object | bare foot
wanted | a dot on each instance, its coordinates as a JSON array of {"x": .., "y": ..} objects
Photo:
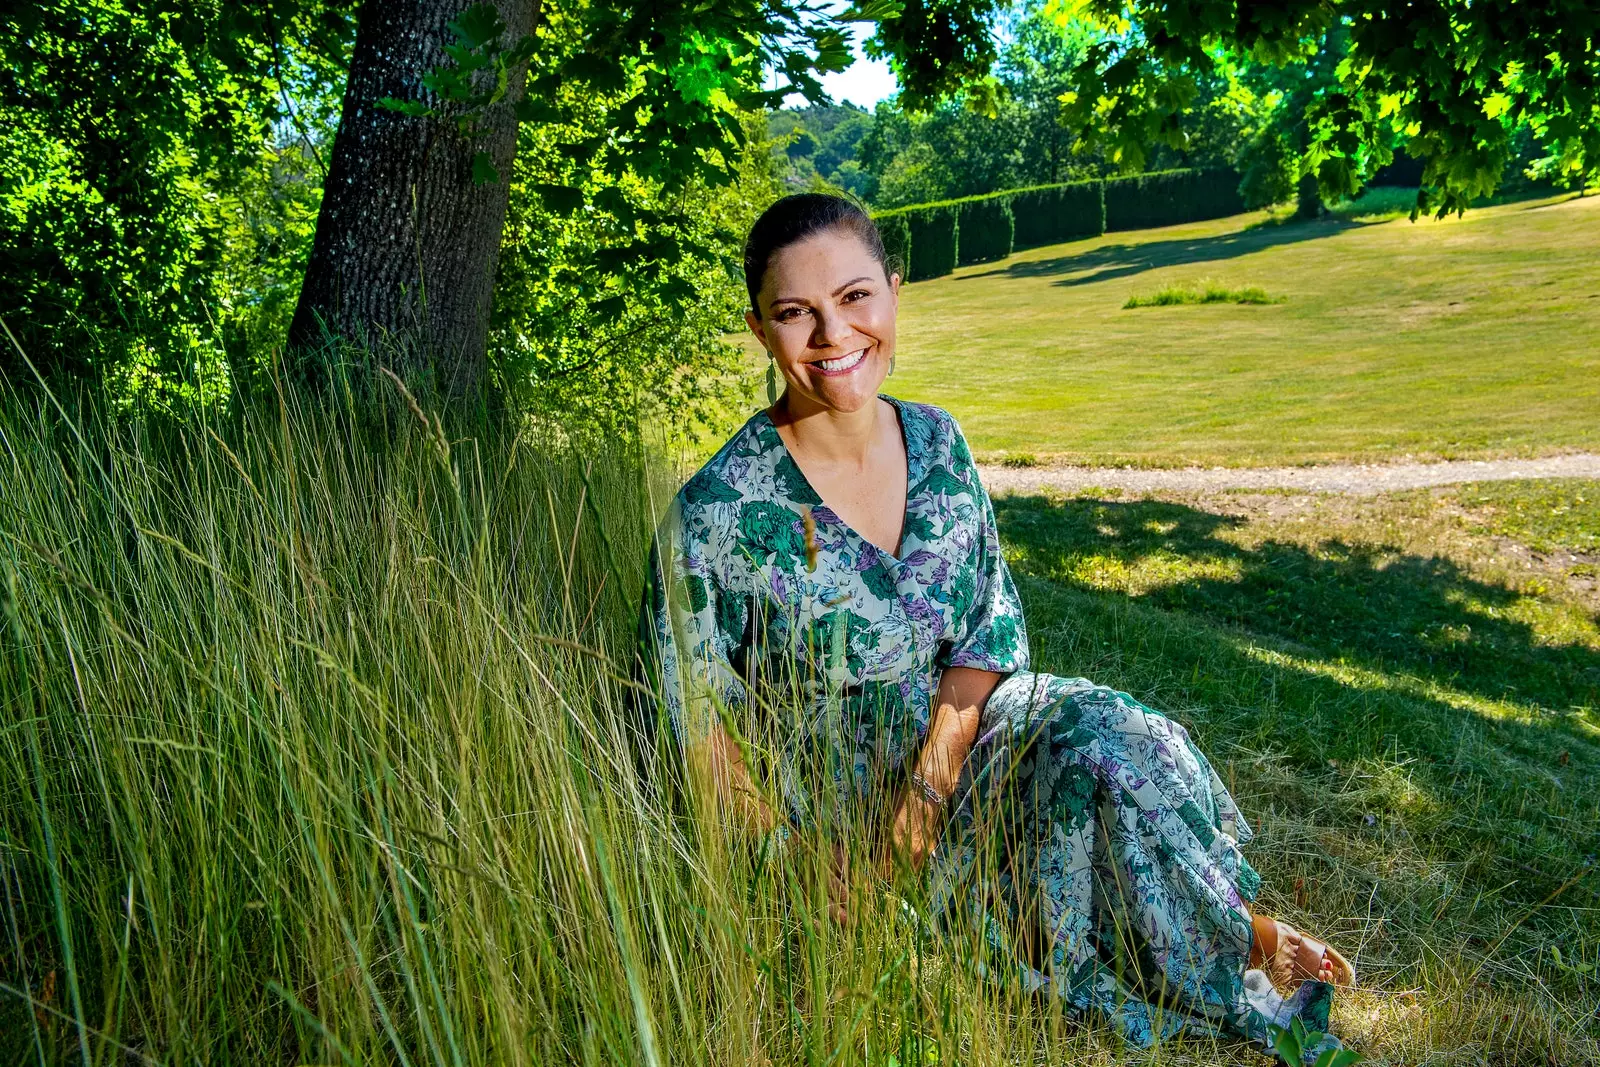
[{"x": 1289, "y": 956}]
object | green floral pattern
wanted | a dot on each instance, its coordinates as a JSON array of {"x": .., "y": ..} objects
[{"x": 1122, "y": 841}]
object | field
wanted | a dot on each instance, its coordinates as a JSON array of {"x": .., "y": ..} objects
[
  {"x": 1465, "y": 337},
  {"x": 314, "y": 732}
]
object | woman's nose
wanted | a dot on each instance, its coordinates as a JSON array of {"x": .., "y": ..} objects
[{"x": 832, "y": 329}]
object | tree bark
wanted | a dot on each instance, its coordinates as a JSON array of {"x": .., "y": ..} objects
[
  {"x": 406, "y": 247},
  {"x": 1308, "y": 198}
]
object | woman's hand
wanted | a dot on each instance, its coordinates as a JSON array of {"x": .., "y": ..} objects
[{"x": 912, "y": 832}]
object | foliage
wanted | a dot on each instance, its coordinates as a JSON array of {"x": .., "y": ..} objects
[
  {"x": 896, "y": 234},
  {"x": 1048, "y": 214},
  {"x": 834, "y": 132},
  {"x": 934, "y": 238},
  {"x": 601, "y": 340},
  {"x": 1455, "y": 80},
  {"x": 1162, "y": 198},
  {"x": 145, "y": 182},
  {"x": 986, "y": 227},
  {"x": 1058, "y": 212}
]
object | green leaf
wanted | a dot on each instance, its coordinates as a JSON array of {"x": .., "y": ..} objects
[
  {"x": 1286, "y": 1043},
  {"x": 538, "y": 111},
  {"x": 483, "y": 170},
  {"x": 609, "y": 308},
  {"x": 599, "y": 71},
  {"x": 477, "y": 25},
  {"x": 871, "y": 11},
  {"x": 414, "y": 108},
  {"x": 1339, "y": 1057},
  {"x": 562, "y": 199}
]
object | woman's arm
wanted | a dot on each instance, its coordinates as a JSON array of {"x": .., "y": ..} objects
[
  {"x": 958, "y": 705},
  {"x": 735, "y": 788}
]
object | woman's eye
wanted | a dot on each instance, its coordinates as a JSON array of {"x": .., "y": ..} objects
[{"x": 856, "y": 292}]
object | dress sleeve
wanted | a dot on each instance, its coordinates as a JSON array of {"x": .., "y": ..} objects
[
  {"x": 689, "y": 626},
  {"x": 990, "y": 634}
]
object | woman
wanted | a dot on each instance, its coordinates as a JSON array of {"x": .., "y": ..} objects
[{"x": 840, "y": 550}]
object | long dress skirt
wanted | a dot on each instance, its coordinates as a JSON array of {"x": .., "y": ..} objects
[{"x": 1094, "y": 823}]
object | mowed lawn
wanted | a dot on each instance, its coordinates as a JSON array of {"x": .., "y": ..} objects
[{"x": 1465, "y": 337}]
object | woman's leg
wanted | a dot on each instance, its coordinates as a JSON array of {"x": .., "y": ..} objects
[{"x": 1130, "y": 839}]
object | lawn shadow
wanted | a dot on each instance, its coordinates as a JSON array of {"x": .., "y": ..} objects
[
  {"x": 1329, "y": 659},
  {"x": 1373, "y": 605},
  {"x": 1121, "y": 260}
]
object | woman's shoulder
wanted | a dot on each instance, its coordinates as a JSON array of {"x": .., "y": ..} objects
[
  {"x": 934, "y": 432},
  {"x": 725, "y": 477}
]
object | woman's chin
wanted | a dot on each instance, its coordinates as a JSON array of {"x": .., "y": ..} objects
[{"x": 846, "y": 393}]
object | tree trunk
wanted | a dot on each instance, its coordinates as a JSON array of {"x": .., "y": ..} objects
[
  {"x": 1308, "y": 198},
  {"x": 407, "y": 244}
]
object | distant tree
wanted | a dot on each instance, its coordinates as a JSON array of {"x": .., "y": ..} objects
[{"x": 804, "y": 144}]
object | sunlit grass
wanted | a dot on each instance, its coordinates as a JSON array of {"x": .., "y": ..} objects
[
  {"x": 1466, "y": 337},
  {"x": 1174, "y": 296},
  {"x": 315, "y": 748}
]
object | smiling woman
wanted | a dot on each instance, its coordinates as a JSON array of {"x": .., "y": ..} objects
[{"x": 830, "y": 586}]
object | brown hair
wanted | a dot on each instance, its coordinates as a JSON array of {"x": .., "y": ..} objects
[{"x": 796, "y": 217}]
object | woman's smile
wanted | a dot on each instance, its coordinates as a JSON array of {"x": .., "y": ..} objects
[{"x": 842, "y": 365}]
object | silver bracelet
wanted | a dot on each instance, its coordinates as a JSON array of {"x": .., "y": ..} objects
[{"x": 929, "y": 793}]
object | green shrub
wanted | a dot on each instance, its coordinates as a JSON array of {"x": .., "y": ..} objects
[
  {"x": 1211, "y": 294},
  {"x": 1050, "y": 214},
  {"x": 986, "y": 228},
  {"x": 1166, "y": 197},
  {"x": 896, "y": 233},
  {"x": 933, "y": 230}
]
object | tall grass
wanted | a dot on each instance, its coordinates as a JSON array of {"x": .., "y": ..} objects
[{"x": 315, "y": 749}]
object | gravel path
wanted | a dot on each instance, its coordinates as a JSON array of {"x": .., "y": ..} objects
[{"x": 1358, "y": 478}]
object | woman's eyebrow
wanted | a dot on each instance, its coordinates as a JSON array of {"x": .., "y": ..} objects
[{"x": 796, "y": 300}]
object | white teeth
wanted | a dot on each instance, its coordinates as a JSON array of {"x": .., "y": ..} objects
[{"x": 843, "y": 362}]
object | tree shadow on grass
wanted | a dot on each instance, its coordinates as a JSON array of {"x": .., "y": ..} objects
[
  {"x": 1371, "y": 605},
  {"x": 1122, "y": 260},
  {"x": 1509, "y": 799}
]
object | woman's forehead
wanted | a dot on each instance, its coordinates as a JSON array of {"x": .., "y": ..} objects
[{"x": 831, "y": 255}]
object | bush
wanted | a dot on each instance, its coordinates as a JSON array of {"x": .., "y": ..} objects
[
  {"x": 986, "y": 228},
  {"x": 1166, "y": 197},
  {"x": 933, "y": 230},
  {"x": 1050, "y": 214},
  {"x": 896, "y": 233}
]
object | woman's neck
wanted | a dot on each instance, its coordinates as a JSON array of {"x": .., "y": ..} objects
[{"x": 835, "y": 438}]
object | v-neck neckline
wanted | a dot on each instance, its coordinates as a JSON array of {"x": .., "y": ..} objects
[{"x": 912, "y": 474}]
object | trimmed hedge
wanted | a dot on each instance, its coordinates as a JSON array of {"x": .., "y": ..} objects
[
  {"x": 1165, "y": 197},
  {"x": 932, "y": 239},
  {"x": 986, "y": 228},
  {"x": 1050, "y": 214},
  {"x": 896, "y": 233},
  {"x": 934, "y": 234}
]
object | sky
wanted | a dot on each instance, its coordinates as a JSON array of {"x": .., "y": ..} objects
[{"x": 865, "y": 82}]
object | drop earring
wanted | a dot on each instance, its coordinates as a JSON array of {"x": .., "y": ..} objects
[
  {"x": 891, "y": 363},
  {"x": 772, "y": 379}
]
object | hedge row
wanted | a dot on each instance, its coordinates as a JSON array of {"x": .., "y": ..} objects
[
  {"x": 1050, "y": 214},
  {"x": 928, "y": 240},
  {"x": 1166, "y": 197}
]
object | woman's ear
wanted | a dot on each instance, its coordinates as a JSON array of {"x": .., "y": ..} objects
[{"x": 755, "y": 328}]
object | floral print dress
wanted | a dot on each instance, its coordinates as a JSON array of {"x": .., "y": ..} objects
[{"x": 1120, "y": 842}]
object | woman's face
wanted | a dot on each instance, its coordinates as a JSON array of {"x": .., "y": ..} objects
[{"x": 827, "y": 316}]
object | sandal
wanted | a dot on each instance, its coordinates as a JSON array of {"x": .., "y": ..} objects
[{"x": 1288, "y": 967}]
